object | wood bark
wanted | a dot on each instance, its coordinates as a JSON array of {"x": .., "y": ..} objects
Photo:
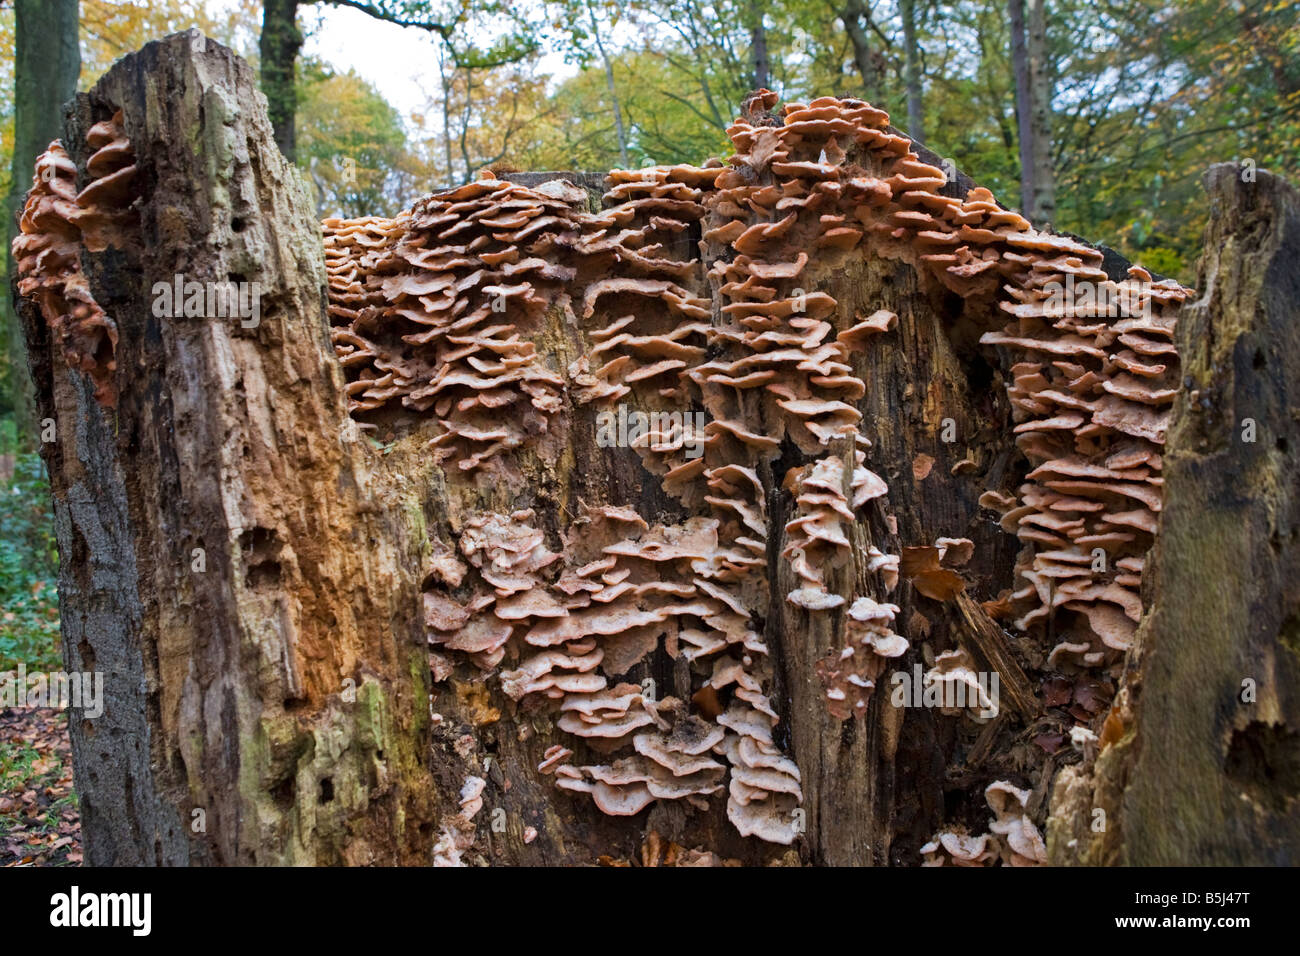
[
  {"x": 1200, "y": 759},
  {"x": 227, "y": 562}
]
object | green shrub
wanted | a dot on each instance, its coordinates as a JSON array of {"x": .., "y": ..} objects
[
  {"x": 1162, "y": 260},
  {"x": 29, "y": 564}
]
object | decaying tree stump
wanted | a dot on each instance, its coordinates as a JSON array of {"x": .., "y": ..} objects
[
  {"x": 1201, "y": 754},
  {"x": 316, "y": 549},
  {"x": 230, "y": 556}
]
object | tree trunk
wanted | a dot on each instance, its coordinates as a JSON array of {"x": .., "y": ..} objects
[
  {"x": 610, "y": 86},
  {"x": 912, "y": 69},
  {"x": 278, "y": 45},
  {"x": 758, "y": 48},
  {"x": 47, "y": 62},
  {"x": 265, "y": 702},
  {"x": 1040, "y": 96},
  {"x": 1199, "y": 764},
  {"x": 1024, "y": 105}
]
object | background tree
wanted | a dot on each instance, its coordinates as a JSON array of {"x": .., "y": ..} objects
[
  {"x": 353, "y": 146},
  {"x": 587, "y": 28},
  {"x": 915, "y": 119},
  {"x": 110, "y": 29},
  {"x": 449, "y": 21},
  {"x": 869, "y": 41},
  {"x": 1024, "y": 102},
  {"x": 46, "y": 63},
  {"x": 1042, "y": 209}
]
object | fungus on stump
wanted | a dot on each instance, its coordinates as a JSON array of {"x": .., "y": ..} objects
[{"x": 387, "y": 575}]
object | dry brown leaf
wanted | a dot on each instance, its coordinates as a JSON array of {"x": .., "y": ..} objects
[{"x": 920, "y": 565}]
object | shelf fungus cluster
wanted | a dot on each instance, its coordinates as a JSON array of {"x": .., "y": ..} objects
[
  {"x": 57, "y": 223},
  {"x": 579, "y": 620},
  {"x": 491, "y": 322},
  {"x": 435, "y": 313},
  {"x": 1094, "y": 364},
  {"x": 1092, "y": 387},
  {"x": 1012, "y": 840},
  {"x": 647, "y": 321},
  {"x": 783, "y": 364},
  {"x": 700, "y": 292}
]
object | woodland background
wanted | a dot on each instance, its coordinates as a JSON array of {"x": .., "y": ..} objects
[{"x": 1097, "y": 118}]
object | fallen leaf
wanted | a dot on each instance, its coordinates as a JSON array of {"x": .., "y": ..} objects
[
  {"x": 1057, "y": 692},
  {"x": 918, "y": 624},
  {"x": 1050, "y": 743},
  {"x": 1000, "y": 607},
  {"x": 1092, "y": 695},
  {"x": 1113, "y": 729},
  {"x": 706, "y": 702},
  {"x": 920, "y": 565}
]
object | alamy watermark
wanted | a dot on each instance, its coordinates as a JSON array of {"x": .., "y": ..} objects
[
  {"x": 192, "y": 299},
  {"x": 76, "y": 909},
  {"x": 947, "y": 691},
  {"x": 1088, "y": 299},
  {"x": 660, "y": 431},
  {"x": 57, "y": 689}
]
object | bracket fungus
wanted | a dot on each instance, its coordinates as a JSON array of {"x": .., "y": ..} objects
[
  {"x": 486, "y": 320},
  {"x": 1091, "y": 393},
  {"x": 57, "y": 223},
  {"x": 1013, "y": 839},
  {"x": 736, "y": 327}
]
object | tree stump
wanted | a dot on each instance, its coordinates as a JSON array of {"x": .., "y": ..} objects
[{"x": 322, "y": 552}]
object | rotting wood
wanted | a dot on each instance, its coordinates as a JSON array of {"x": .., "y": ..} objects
[
  {"x": 988, "y": 643},
  {"x": 1197, "y": 762}
]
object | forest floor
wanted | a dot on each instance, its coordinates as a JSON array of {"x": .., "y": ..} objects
[{"x": 39, "y": 821}]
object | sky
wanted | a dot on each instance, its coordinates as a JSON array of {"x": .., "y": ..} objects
[{"x": 401, "y": 62}]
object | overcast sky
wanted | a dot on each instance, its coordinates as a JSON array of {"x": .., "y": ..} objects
[{"x": 401, "y": 62}]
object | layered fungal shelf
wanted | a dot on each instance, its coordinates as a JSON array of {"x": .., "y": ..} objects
[
  {"x": 701, "y": 293},
  {"x": 696, "y": 290}
]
